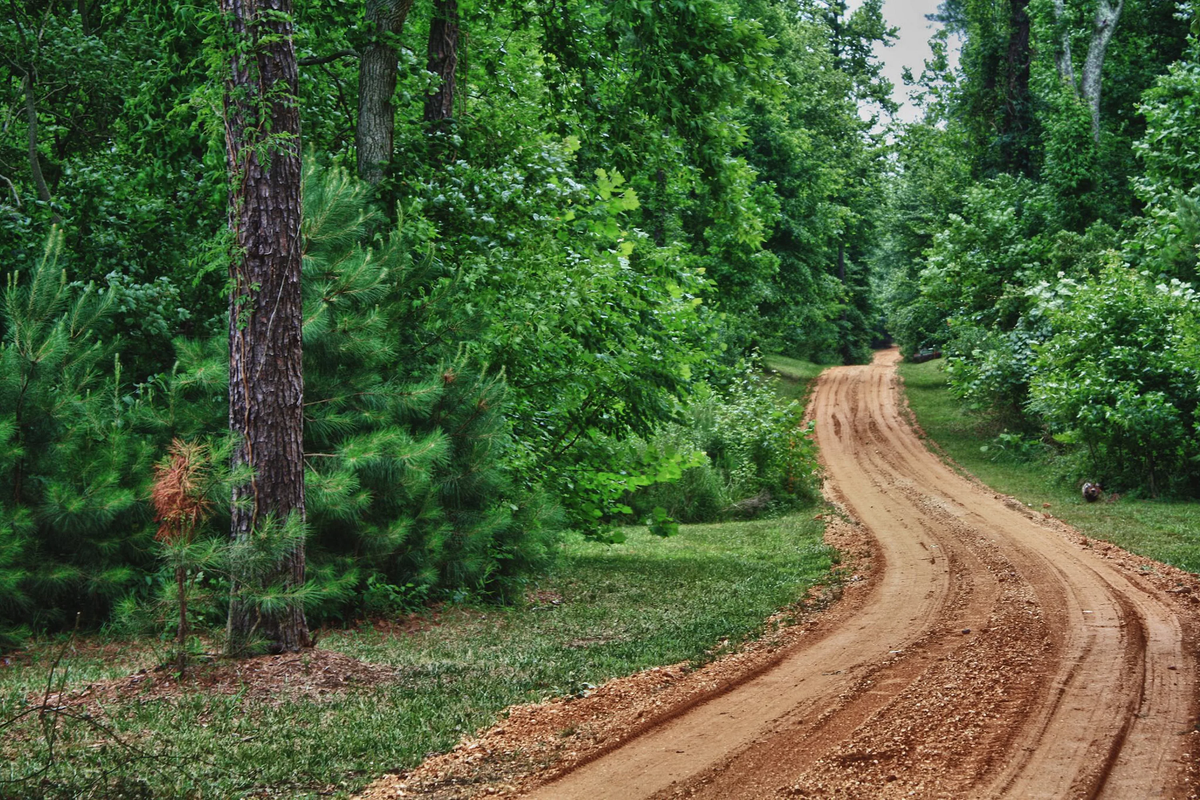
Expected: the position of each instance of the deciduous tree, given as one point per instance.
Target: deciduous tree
(1104, 24)
(375, 132)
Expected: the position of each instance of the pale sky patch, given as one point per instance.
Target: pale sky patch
(910, 50)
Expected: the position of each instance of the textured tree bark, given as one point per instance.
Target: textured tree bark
(375, 134)
(443, 60)
(262, 135)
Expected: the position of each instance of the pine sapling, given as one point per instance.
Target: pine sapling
(180, 506)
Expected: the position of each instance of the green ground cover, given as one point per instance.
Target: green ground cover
(1165, 530)
(795, 377)
(603, 611)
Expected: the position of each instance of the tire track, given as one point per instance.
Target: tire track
(994, 657)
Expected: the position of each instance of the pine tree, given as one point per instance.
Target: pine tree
(180, 506)
(407, 445)
(73, 534)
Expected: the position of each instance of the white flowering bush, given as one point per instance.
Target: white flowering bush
(1121, 377)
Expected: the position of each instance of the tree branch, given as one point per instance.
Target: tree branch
(35, 164)
(1062, 53)
(13, 189)
(313, 61)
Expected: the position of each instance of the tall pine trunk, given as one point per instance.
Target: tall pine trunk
(262, 134)
(375, 135)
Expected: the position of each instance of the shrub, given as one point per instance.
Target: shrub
(1119, 376)
(759, 455)
(990, 370)
(409, 448)
(978, 264)
(1169, 236)
(74, 535)
(983, 266)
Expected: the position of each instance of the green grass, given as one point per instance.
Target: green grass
(796, 377)
(622, 608)
(1165, 530)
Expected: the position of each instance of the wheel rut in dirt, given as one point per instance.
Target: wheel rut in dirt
(992, 655)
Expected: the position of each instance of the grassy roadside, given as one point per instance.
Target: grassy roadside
(1164, 530)
(604, 611)
(795, 377)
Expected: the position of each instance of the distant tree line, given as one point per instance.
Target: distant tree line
(1042, 230)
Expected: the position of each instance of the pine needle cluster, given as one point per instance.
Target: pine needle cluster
(178, 493)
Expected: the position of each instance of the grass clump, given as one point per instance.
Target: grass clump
(1162, 529)
(602, 612)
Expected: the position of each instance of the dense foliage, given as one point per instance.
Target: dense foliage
(1058, 278)
(538, 310)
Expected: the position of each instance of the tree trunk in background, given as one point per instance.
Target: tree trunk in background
(84, 17)
(262, 134)
(1107, 16)
(443, 61)
(660, 199)
(847, 354)
(1103, 26)
(1018, 110)
(1062, 52)
(35, 162)
(375, 134)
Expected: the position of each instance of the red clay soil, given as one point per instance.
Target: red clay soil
(985, 650)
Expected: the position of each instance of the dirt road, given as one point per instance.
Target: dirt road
(994, 655)
(985, 651)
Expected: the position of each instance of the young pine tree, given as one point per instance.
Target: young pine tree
(73, 534)
(407, 448)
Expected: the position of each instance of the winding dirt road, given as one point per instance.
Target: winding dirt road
(983, 650)
(994, 654)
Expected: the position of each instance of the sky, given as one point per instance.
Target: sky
(910, 49)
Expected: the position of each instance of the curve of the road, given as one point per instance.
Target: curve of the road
(993, 655)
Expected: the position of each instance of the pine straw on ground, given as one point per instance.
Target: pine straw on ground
(313, 675)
